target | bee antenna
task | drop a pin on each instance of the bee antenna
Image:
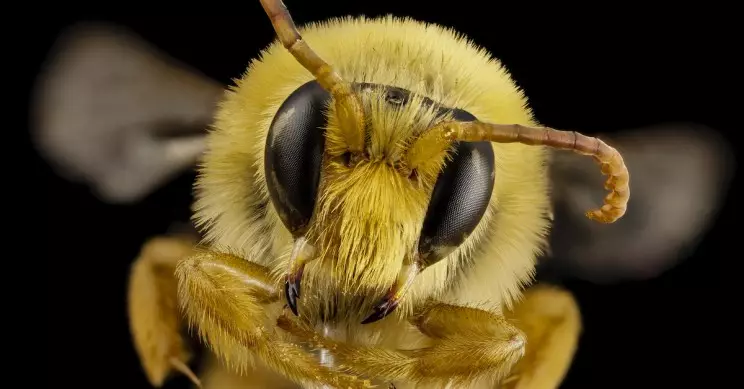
(615, 203)
(348, 107)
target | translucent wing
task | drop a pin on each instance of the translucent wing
(679, 175)
(115, 113)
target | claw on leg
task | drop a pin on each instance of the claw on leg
(397, 291)
(302, 253)
(185, 370)
(154, 319)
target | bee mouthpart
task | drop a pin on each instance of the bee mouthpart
(396, 292)
(302, 253)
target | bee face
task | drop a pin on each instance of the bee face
(280, 170)
(369, 216)
(375, 184)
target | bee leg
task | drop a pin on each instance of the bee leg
(215, 375)
(469, 345)
(154, 319)
(550, 318)
(226, 298)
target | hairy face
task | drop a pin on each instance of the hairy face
(286, 170)
(366, 226)
(368, 214)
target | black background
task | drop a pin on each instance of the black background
(592, 70)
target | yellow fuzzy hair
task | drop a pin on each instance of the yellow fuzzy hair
(372, 214)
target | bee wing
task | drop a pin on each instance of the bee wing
(679, 176)
(115, 113)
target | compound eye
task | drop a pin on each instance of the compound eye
(459, 199)
(294, 150)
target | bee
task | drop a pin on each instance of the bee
(373, 197)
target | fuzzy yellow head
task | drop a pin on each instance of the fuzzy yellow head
(374, 179)
(369, 212)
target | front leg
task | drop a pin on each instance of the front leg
(552, 321)
(470, 346)
(154, 320)
(226, 298)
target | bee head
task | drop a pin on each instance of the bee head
(372, 174)
(306, 142)
(371, 211)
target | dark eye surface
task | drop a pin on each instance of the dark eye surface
(459, 199)
(294, 150)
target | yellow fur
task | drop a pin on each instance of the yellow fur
(548, 316)
(425, 59)
(367, 220)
